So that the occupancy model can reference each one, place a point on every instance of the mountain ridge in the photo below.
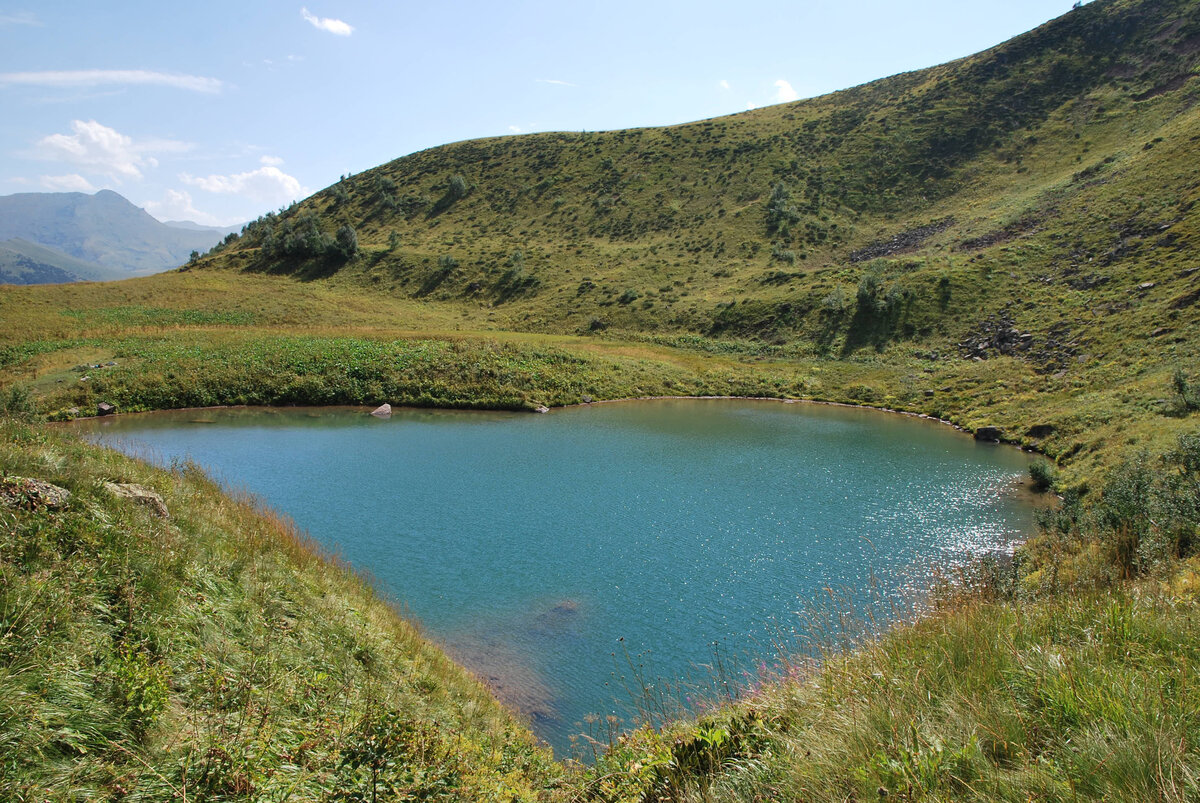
(103, 229)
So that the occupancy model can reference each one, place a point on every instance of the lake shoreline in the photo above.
(778, 399)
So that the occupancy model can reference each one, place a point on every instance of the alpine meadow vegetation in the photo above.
(1007, 242)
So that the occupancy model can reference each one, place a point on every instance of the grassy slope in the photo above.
(1048, 181)
(216, 653)
(1046, 184)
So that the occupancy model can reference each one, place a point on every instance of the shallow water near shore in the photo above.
(554, 554)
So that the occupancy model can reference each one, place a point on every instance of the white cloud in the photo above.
(723, 84)
(516, 129)
(784, 92)
(554, 81)
(69, 183)
(267, 184)
(177, 205)
(103, 150)
(69, 78)
(327, 23)
(270, 161)
(20, 18)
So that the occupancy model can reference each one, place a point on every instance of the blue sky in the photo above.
(217, 112)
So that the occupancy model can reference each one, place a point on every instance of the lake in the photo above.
(675, 540)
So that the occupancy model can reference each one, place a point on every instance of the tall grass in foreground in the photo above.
(1088, 697)
(217, 655)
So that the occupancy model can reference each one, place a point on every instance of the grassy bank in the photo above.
(215, 654)
(1085, 697)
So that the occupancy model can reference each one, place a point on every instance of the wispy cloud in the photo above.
(723, 84)
(554, 81)
(267, 184)
(784, 93)
(516, 129)
(329, 24)
(103, 150)
(69, 183)
(20, 18)
(72, 78)
(270, 161)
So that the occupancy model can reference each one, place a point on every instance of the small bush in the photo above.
(17, 402)
(782, 254)
(346, 243)
(1187, 393)
(781, 214)
(1044, 475)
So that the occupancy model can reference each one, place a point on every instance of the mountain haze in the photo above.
(103, 229)
(23, 262)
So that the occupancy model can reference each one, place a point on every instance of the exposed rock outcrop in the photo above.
(139, 494)
(30, 494)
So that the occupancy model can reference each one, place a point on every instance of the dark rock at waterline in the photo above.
(104, 408)
(541, 409)
(991, 434)
(382, 411)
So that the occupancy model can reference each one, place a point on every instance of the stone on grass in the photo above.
(104, 408)
(139, 494)
(31, 494)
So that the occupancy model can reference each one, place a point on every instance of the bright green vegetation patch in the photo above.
(202, 370)
(214, 654)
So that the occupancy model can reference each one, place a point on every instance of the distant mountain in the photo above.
(104, 229)
(23, 262)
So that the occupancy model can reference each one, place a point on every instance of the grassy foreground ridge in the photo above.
(1010, 241)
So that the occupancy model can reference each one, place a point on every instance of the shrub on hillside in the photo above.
(1043, 474)
(781, 213)
(1187, 393)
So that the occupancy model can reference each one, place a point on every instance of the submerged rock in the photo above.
(541, 409)
(31, 494)
(382, 411)
(139, 494)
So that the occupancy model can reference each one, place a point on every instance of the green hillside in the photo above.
(1031, 206)
(23, 262)
(1009, 241)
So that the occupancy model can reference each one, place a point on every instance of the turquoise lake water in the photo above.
(555, 554)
